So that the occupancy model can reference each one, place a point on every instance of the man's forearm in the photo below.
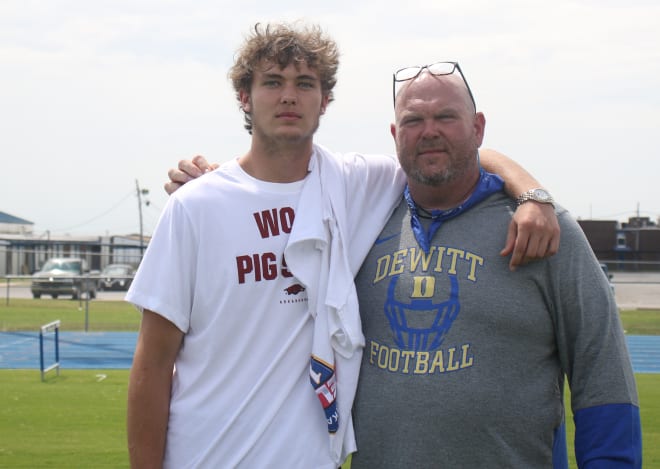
(149, 390)
(516, 179)
(534, 229)
(147, 417)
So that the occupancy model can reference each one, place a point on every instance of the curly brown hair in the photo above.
(284, 44)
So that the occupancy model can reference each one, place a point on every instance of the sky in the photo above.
(98, 98)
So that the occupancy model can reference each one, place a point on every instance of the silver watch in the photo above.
(537, 195)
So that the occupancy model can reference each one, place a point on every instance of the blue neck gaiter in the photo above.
(487, 185)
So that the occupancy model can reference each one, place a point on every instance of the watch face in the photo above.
(541, 195)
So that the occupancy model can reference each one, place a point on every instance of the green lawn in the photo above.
(641, 322)
(75, 420)
(29, 314)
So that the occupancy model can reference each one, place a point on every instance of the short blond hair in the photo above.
(284, 44)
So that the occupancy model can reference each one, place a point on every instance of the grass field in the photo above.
(29, 314)
(77, 420)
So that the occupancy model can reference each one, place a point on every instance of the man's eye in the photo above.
(271, 83)
(411, 121)
(306, 85)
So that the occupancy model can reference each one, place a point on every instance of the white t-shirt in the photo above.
(241, 395)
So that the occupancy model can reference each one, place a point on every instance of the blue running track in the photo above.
(644, 353)
(114, 350)
(78, 350)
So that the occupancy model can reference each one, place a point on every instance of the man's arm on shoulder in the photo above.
(534, 229)
(149, 390)
(186, 171)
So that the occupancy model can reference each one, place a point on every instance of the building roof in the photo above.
(6, 218)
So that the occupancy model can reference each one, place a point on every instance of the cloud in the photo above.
(98, 94)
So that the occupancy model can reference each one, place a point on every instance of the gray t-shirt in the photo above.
(465, 360)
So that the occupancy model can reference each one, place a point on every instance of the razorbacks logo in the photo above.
(294, 289)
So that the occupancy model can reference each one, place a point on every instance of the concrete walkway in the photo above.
(637, 290)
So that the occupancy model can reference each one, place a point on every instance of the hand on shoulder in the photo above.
(186, 171)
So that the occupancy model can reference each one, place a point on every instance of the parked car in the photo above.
(608, 275)
(63, 276)
(116, 277)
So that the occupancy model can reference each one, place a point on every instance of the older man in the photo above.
(465, 361)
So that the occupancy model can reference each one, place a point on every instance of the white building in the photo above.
(22, 252)
(10, 224)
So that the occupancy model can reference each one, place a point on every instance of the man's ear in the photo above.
(393, 131)
(325, 100)
(244, 97)
(480, 127)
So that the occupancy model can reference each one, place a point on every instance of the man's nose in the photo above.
(431, 129)
(289, 95)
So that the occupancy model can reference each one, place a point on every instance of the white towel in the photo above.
(316, 254)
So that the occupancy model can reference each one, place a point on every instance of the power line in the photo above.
(78, 225)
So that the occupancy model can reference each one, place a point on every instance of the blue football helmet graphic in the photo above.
(421, 324)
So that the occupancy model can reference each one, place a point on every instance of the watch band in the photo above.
(537, 195)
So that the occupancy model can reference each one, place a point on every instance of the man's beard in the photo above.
(455, 169)
(457, 166)
(435, 179)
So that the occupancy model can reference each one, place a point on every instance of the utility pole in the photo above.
(140, 193)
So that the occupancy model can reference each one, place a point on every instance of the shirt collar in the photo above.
(487, 185)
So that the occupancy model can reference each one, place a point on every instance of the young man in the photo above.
(465, 362)
(246, 306)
